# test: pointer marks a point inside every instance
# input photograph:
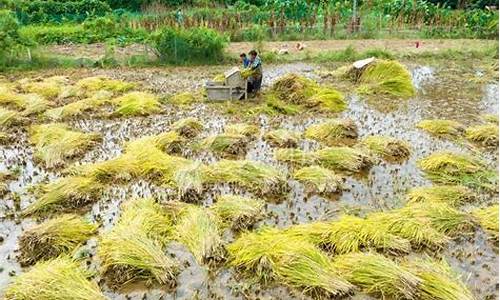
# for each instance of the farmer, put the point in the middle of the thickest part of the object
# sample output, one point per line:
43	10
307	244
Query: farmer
244	60
255	80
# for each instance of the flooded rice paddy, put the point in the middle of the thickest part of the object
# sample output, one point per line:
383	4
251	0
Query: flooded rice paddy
444	91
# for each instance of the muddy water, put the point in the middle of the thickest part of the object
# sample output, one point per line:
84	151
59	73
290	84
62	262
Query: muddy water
442	93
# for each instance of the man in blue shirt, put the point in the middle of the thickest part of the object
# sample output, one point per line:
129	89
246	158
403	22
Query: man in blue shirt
255	80
244	60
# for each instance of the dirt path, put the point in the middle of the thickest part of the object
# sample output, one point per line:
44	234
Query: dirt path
95	51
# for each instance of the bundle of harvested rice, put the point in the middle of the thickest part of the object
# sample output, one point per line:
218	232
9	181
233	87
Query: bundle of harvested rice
128	254
219	77
344	159
293	88
378	275
34	104
319	180
238	212
97	83
9	117
189	179
295	156
197	228
438	280
248	130
269	254
328	100
333	132
64	193
136	104
169	142
386	77
60	278
486	135
226	144
389	148
119	169
256	176
188	127
48	88
488	219
184	98
54	237
490	118
56	142
454	195
273	106
282	138
79	107
442	128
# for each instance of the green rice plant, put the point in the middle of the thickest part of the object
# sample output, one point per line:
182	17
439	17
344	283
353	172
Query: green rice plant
490	118
269	254
184	98
344	159
387	147
320	180
96	83
486	135
445	167
386	77
169	142
56	142
488	219
136	104
225	144
60	278
79	107
327	100
453	195
64	193
442	128
54	237
438	280
295	156
197	228
238	212
333	132
255	176
294	89
128	254
9	117
378	275
148	216
188	127
248	130
282	138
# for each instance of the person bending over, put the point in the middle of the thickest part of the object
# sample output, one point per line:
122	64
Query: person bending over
254	80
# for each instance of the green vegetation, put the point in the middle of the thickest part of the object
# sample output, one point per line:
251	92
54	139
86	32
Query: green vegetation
226	144
54	237
188	127
333	132
488	219
327	100
282	138
56	142
453	195
320	180
442	128
238	212
136	104
486	135
60	278
389	148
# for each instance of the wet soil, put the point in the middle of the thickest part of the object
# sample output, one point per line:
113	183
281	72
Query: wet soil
444	91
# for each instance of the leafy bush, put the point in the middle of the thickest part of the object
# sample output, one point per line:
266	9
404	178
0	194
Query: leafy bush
10	40
197	45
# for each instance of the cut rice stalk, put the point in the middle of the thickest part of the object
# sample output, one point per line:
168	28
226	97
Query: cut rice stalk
442	128
226	144
247	130
293	88
184	98
328	100
79	107
34	104
389	148
486	135
320	180
378	275
282	138
49	89
453	195
269	254
170	142
137	104
188	127
333	132
344	159
490	118
56	142
54	237
273	106
295	156
64	193
60	278
488	219
97	83
439	281
128	255
238	212
9	117
198	229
